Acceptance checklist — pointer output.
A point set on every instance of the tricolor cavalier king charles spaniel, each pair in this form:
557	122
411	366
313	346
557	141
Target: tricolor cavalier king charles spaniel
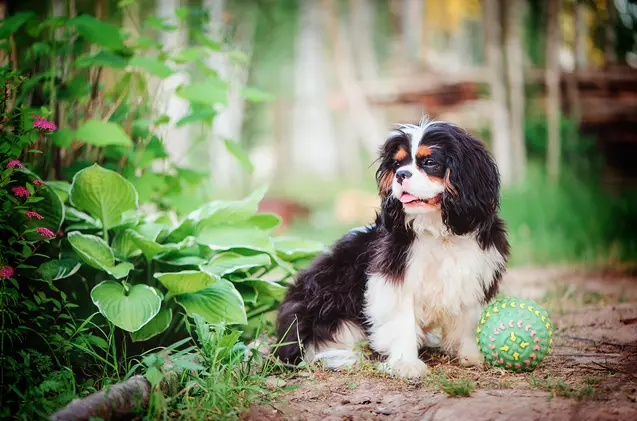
433	258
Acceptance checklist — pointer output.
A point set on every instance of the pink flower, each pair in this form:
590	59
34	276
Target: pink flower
38	182
43	124
6	272
15	163
32	215
45	233
21	191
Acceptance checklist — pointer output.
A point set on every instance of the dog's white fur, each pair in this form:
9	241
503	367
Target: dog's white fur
442	287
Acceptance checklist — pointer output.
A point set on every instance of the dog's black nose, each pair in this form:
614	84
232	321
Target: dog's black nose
401	175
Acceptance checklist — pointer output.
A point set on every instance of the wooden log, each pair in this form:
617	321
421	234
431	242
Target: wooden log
111	403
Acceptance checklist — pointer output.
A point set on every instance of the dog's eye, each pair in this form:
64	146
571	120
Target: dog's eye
396	164
429	163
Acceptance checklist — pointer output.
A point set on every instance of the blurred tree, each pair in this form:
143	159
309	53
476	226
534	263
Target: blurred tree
515	76
313	143
500	124
552	78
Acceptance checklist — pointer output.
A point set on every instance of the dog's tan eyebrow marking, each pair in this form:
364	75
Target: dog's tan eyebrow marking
401	154
422	151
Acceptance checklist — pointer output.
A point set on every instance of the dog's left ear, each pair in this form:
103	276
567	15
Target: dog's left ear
472	181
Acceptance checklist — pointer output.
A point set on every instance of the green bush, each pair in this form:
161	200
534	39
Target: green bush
574	220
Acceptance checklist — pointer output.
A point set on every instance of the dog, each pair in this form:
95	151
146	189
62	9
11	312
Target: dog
433	259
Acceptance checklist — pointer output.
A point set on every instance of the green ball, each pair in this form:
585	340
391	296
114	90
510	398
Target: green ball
514	334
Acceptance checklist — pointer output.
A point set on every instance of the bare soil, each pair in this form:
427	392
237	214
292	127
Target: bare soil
590	375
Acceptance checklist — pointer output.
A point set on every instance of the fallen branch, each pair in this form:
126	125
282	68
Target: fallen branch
584	354
119	399
108	404
614	370
595	341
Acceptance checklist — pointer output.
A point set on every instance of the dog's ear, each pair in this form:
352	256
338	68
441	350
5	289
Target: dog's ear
384	179
472	184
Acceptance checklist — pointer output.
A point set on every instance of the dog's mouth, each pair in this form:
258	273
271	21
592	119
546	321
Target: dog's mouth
409	199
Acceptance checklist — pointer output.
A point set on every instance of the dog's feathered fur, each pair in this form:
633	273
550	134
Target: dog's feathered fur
395	280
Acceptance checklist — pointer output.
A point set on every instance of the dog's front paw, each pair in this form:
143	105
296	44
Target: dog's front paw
470	356
409	369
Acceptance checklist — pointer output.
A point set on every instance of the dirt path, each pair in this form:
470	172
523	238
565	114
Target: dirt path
591	374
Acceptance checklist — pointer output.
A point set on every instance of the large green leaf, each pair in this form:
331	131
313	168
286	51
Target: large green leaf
61	188
97	32
75	215
157	325
223	212
102	133
228	237
128	310
151	65
50	208
149	248
57	269
230	262
292	248
96	253
219	303
265	288
186	281
124	246
183	260
104	194
183	230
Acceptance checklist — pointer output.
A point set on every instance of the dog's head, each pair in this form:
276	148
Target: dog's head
439	167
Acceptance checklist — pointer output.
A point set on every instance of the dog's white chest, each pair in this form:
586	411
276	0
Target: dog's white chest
445	275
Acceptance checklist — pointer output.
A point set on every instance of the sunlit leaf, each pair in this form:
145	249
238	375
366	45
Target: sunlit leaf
102	133
104	194
151	65
292	248
237	151
211	92
229	262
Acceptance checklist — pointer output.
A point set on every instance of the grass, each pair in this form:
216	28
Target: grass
559	388
457	388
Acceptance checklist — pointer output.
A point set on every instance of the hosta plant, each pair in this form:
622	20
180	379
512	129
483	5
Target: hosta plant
220	262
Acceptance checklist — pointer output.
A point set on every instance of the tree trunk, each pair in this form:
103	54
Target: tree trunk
412	29
581	33
176	139
580	56
314	147
515	73
228	124
553	150
500	134
609	29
